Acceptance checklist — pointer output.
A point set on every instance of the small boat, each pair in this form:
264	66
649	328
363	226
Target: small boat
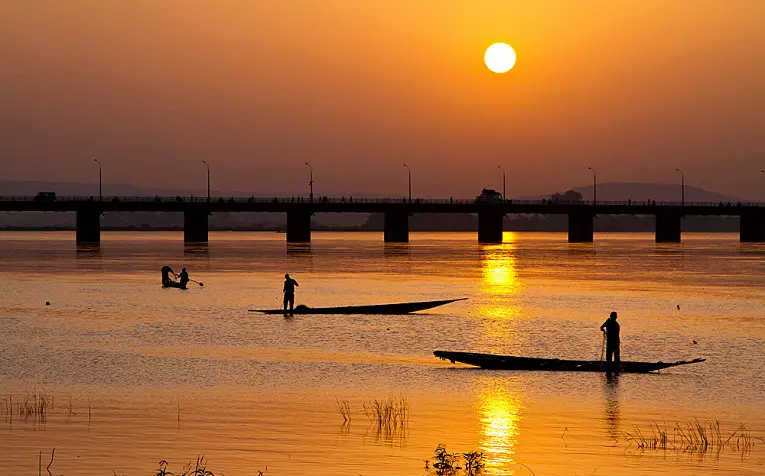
173	284
167	282
506	362
397	308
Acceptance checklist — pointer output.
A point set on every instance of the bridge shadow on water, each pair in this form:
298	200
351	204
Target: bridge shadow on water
88	257
196	250
299	249
582	251
397	250
88	249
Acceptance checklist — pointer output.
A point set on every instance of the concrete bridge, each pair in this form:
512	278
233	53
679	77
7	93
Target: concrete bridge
196	210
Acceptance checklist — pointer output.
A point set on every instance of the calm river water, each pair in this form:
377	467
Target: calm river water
135	373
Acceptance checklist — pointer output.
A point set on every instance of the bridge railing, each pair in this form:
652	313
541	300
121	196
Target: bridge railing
366	200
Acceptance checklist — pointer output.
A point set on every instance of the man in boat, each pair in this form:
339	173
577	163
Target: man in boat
611	328
183	278
289	293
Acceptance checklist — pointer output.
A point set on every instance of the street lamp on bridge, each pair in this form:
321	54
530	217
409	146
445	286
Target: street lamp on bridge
410	182
594	186
504	190
208	180
682	187
100	190
310	182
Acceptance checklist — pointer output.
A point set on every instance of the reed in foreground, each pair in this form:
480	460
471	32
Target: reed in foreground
392	412
344	408
32	405
448	464
198	468
694	437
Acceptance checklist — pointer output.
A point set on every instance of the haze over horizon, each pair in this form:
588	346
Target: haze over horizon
152	88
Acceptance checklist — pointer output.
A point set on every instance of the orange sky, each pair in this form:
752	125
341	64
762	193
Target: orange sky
256	88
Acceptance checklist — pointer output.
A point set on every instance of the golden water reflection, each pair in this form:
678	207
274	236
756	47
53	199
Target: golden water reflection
499	407
612	410
500	291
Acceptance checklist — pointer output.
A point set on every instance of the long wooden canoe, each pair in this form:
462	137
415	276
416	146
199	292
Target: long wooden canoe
397	308
506	362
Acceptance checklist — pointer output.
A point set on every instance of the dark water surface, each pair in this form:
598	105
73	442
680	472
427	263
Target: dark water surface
136	373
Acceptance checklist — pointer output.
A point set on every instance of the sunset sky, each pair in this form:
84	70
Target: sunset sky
634	89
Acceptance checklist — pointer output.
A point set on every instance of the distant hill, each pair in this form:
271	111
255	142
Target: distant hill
636	191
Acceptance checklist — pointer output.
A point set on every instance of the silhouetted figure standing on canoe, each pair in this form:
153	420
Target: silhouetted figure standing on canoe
289	293
183	278
611	328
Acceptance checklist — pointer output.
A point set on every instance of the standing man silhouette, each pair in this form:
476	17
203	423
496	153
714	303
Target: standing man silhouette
611	328
289	293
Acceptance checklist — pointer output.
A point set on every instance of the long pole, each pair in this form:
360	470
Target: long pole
409	169
594	186
208	180
100	183
682	187
504	189
310	182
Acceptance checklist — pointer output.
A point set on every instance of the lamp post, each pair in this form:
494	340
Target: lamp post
208	180
594	186
410	182
504	189
100	189
682	187
310	182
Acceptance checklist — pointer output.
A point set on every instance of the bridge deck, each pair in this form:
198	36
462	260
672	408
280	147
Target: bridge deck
373	205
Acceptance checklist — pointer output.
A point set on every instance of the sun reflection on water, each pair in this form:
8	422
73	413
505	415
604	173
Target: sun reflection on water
500	405
500	290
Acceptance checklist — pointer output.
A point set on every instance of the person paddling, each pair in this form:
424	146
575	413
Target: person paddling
183	278
289	293
611	328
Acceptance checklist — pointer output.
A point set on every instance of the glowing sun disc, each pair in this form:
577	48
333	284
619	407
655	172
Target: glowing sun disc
499	57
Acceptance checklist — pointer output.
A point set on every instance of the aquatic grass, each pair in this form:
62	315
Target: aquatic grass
344	408
389	416
694	437
36	406
474	461
198	468
392	412
32	405
448	464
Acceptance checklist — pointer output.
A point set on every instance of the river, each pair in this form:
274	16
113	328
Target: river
133	374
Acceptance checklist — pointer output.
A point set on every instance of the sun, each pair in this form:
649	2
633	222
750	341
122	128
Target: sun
499	57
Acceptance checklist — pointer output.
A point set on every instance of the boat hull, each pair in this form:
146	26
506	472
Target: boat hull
507	362
173	284
397	308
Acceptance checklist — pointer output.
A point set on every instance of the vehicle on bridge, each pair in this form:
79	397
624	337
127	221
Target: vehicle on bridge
489	196
45	197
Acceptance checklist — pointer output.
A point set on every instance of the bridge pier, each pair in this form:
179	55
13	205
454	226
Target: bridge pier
490	227
88	226
668	227
299	227
752	227
396	227
580	227
195	226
